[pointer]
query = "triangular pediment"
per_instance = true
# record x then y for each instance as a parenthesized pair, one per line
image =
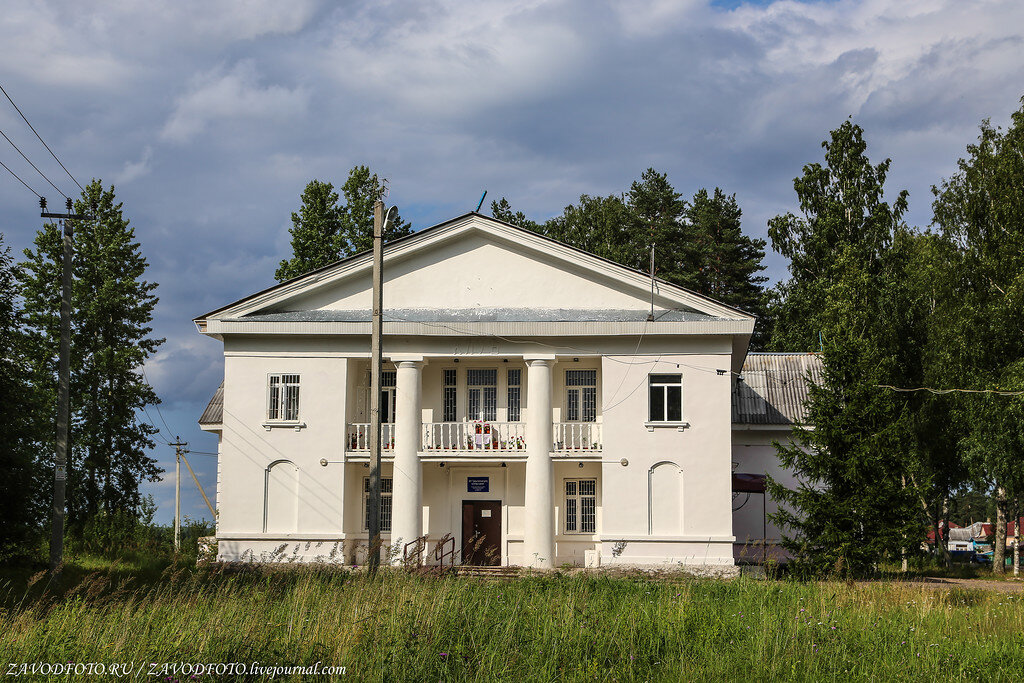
(476, 263)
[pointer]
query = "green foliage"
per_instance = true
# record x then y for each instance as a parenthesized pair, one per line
(315, 232)
(324, 231)
(20, 507)
(980, 214)
(502, 210)
(555, 628)
(724, 263)
(111, 309)
(698, 244)
(851, 507)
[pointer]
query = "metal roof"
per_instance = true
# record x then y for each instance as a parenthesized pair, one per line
(772, 388)
(477, 315)
(214, 413)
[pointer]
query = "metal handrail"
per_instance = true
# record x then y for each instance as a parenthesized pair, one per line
(440, 553)
(418, 545)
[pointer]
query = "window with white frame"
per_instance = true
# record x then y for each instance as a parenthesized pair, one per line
(385, 504)
(283, 398)
(580, 506)
(482, 394)
(449, 395)
(666, 398)
(580, 395)
(515, 395)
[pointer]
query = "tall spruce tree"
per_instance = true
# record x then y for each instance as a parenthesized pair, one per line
(698, 245)
(361, 190)
(851, 507)
(980, 211)
(21, 509)
(324, 231)
(502, 210)
(316, 232)
(112, 307)
(723, 263)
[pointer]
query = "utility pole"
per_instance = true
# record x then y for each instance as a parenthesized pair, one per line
(380, 220)
(60, 470)
(178, 445)
(209, 505)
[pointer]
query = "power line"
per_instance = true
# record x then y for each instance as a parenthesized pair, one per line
(20, 180)
(25, 119)
(157, 405)
(33, 165)
(943, 392)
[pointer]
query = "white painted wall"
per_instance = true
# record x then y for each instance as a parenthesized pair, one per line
(473, 272)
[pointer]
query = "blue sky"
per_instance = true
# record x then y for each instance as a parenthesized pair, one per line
(210, 118)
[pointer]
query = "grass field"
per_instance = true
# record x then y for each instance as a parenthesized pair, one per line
(558, 627)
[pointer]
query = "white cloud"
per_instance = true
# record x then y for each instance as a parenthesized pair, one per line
(134, 170)
(232, 95)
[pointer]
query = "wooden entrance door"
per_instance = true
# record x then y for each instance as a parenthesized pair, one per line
(481, 532)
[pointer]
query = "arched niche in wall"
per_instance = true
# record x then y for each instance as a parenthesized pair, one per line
(665, 499)
(281, 497)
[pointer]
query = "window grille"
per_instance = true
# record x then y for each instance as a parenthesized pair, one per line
(581, 506)
(450, 397)
(283, 397)
(385, 504)
(483, 394)
(581, 395)
(515, 378)
(666, 398)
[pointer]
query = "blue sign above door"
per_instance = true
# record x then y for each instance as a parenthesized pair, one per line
(478, 484)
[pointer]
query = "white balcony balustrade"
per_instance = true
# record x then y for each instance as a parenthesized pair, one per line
(359, 436)
(577, 436)
(568, 437)
(474, 436)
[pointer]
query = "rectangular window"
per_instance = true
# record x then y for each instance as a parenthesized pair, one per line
(515, 378)
(450, 397)
(580, 506)
(387, 396)
(666, 398)
(385, 504)
(482, 394)
(283, 398)
(580, 395)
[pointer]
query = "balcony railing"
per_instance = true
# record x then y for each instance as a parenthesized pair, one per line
(568, 437)
(474, 436)
(359, 436)
(577, 436)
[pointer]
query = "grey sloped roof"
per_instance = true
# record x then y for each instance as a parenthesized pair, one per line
(214, 413)
(773, 388)
(474, 315)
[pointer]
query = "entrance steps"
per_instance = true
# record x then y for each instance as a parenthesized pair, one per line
(483, 572)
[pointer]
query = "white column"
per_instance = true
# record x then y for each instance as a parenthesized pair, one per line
(539, 533)
(406, 496)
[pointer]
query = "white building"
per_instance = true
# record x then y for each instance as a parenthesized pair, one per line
(531, 405)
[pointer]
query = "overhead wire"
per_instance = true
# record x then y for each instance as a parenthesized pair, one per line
(40, 137)
(20, 180)
(18, 150)
(943, 392)
(156, 405)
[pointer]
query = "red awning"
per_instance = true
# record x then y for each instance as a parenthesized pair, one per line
(748, 483)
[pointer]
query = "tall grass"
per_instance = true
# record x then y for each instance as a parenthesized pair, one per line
(562, 627)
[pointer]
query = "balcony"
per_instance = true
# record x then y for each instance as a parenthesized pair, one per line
(474, 436)
(573, 437)
(482, 437)
(358, 436)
